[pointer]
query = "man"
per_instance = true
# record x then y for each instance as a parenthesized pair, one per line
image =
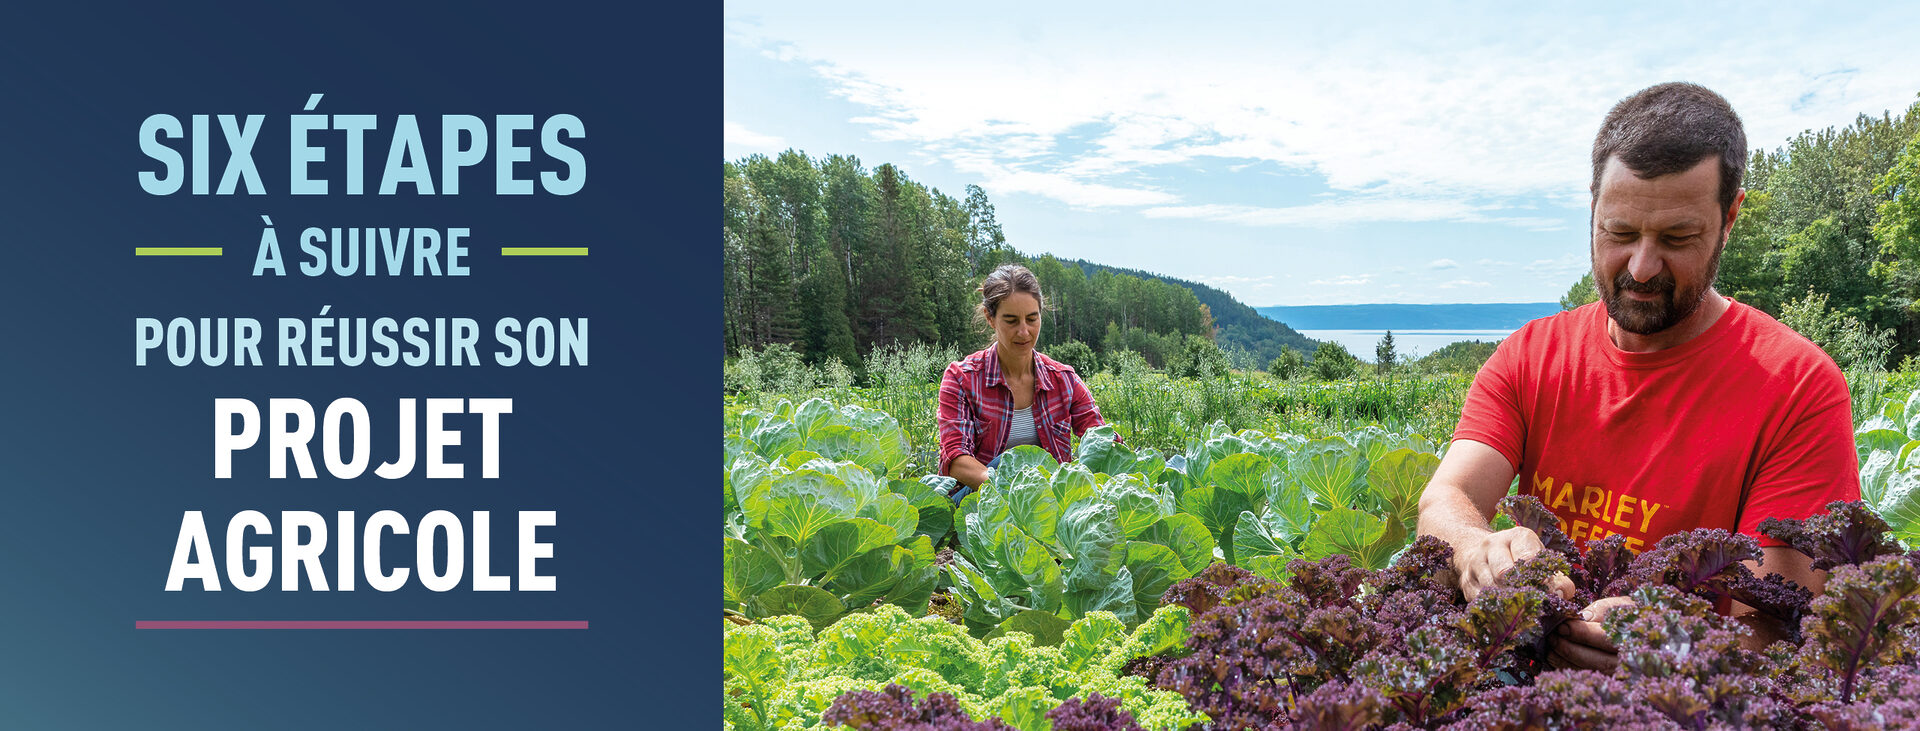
(1663, 407)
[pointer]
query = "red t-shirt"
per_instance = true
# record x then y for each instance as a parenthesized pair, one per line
(1745, 422)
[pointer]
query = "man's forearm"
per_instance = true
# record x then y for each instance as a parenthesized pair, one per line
(1448, 514)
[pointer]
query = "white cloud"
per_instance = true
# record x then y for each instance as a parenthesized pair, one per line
(1071, 191)
(1458, 283)
(1350, 211)
(1344, 280)
(1568, 266)
(1226, 280)
(1443, 264)
(737, 136)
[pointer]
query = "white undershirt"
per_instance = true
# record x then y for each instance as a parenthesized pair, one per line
(1020, 428)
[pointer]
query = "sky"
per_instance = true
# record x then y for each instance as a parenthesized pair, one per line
(1335, 153)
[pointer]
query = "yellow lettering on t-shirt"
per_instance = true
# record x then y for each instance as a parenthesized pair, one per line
(1592, 500)
(1565, 498)
(1647, 520)
(1623, 510)
(1542, 487)
(1635, 544)
(1579, 528)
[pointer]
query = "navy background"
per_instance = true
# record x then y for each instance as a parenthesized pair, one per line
(98, 458)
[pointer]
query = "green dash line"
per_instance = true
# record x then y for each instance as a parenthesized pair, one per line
(177, 251)
(543, 251)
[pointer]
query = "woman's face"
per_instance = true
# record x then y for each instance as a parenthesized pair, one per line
(1016, 326)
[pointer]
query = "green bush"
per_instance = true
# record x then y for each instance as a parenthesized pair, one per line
(1197, 358)
(1332, 362)
(1289, 365)
(1076, 354)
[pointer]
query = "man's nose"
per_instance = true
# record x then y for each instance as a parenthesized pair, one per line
(1645, 263)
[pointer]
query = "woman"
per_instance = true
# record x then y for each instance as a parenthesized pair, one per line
(1008, 394)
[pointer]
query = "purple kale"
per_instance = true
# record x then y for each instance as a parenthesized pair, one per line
(1426, 564)
(1337, 637)
(1892, 682)
(1146, 666)
(1214, 586)
(1503, 625)
(1606, 560)
(1338, 707)
(1537, 575)
(1861, 623)
(1674, 698)
(1424, 678)
(1777, 599)
(1848, 533)
(1409, 610)
(1667, 634)
(1862, 716)
(1094, 714)
(1706, 563)
(1561, 699)
(893, 709)
(1329, 582)
(1246, 663)
(1528, 512)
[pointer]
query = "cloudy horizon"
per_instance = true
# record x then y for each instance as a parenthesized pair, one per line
(1325, 157)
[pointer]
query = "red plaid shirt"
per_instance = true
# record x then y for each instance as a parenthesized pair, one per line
(976, 406)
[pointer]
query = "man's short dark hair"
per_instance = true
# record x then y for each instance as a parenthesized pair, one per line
(1669, 128)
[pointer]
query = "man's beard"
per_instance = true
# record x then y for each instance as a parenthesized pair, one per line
(1652, 316)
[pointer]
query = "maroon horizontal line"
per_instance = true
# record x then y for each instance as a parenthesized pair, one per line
(356, 624)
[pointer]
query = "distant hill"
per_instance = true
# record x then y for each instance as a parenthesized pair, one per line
(1501, 316)
(1236, 324)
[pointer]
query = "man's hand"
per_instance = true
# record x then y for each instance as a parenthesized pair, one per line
(1479, 563)
(1582, 643)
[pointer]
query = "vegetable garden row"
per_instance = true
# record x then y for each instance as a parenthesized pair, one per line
(1265, 581)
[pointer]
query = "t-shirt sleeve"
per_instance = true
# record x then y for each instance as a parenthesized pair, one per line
(1491, 415)
(1812, 462)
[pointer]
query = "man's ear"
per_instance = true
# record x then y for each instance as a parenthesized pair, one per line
(1733, 212)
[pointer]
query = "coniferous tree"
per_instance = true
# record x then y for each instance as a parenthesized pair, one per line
(1383, 355)
(983, 230)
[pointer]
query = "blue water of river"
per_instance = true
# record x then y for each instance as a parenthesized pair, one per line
(1406, 343)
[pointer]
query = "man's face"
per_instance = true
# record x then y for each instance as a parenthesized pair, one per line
(1657, 243)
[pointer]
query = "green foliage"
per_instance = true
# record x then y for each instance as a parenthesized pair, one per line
(1198, 358)
(1290, 364)
(1889, 446)
(1581, 293)
(1076, 354)
(1898, 232)
(1065, 541)
(780, 674)
(776, 368)
(1332, 362)
(1823, 214)
(811, 527)
(1266, 499)
(1464, 357)
(1853, 344)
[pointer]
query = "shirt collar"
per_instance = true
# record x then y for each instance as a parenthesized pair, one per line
(1042, 372)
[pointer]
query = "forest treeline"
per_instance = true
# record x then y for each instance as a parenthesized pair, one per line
(1828, 239)
(832, 260)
